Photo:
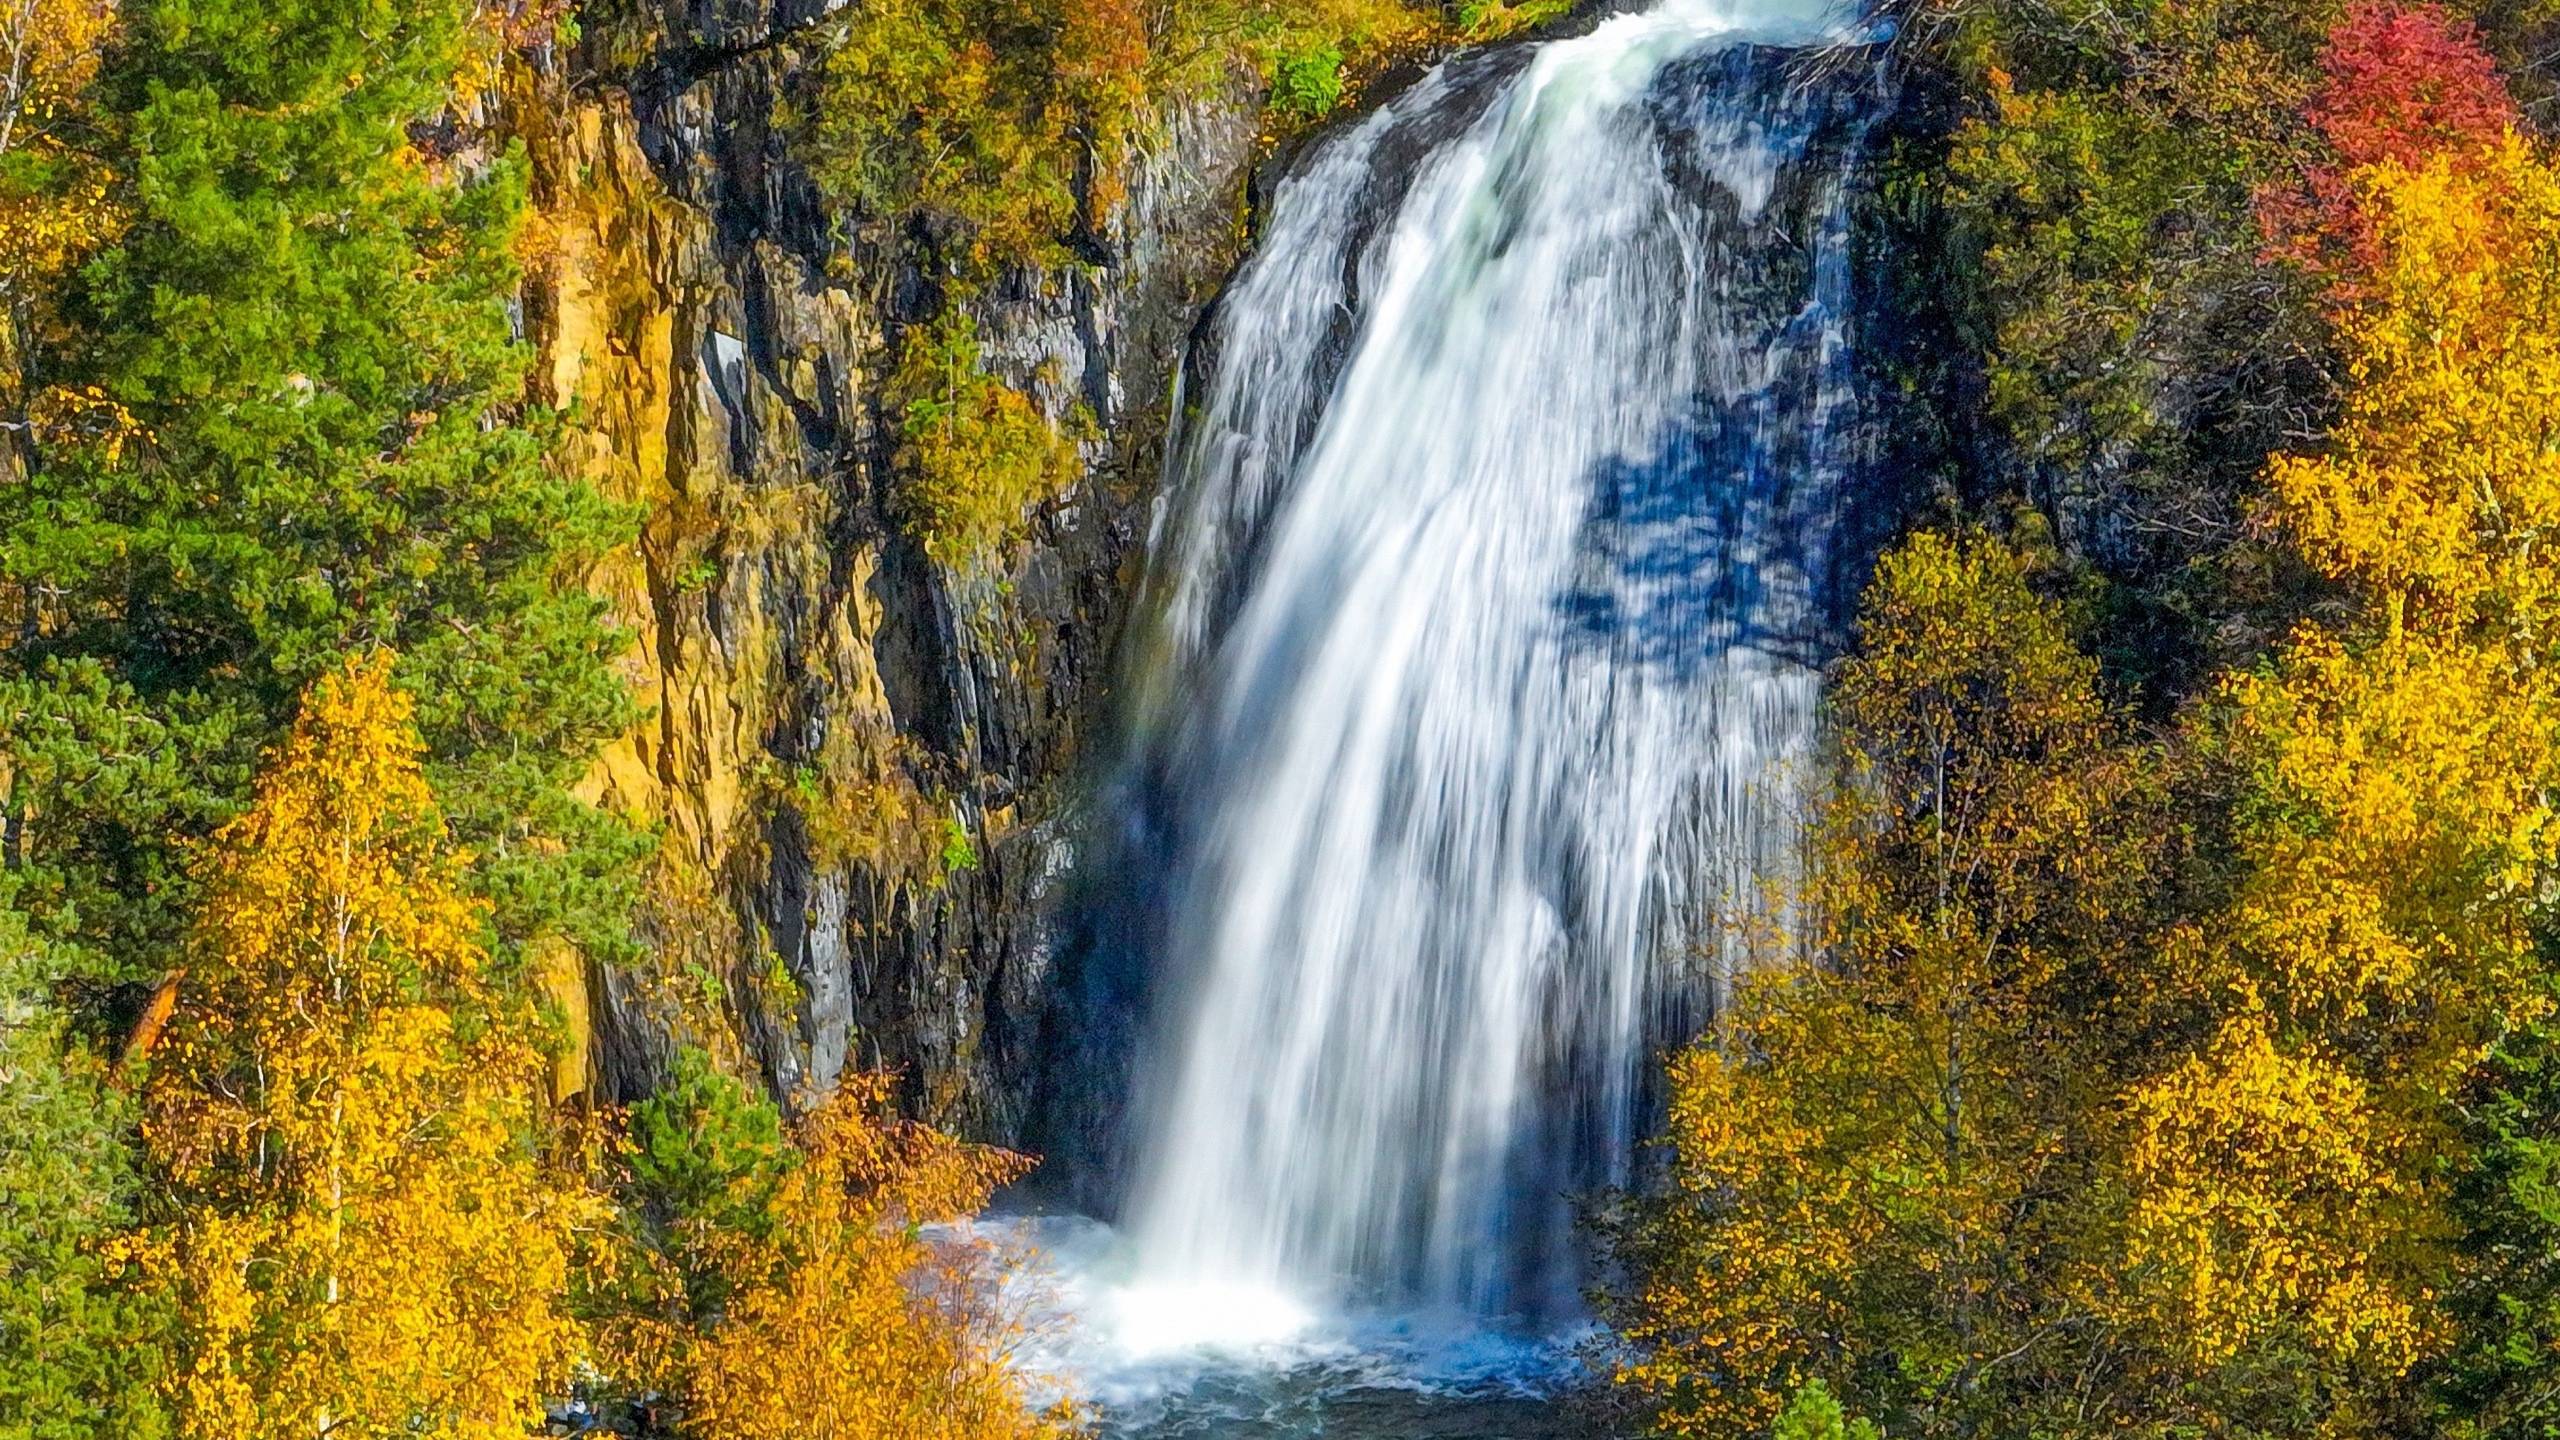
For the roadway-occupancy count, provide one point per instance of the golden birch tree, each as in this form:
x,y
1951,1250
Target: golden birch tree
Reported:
x,y
54,201
1878,1166
362,1244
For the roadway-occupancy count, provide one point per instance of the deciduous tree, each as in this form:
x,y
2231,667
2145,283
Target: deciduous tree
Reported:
x,y
54,192
779,1291
358,1234
2291,1230
1880,1166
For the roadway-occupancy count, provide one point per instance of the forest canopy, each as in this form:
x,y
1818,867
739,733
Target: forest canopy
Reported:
x,y
2173,1058
2172,1049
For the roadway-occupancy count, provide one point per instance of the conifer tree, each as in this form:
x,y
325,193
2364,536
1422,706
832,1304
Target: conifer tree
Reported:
x,y
322,447
79,1350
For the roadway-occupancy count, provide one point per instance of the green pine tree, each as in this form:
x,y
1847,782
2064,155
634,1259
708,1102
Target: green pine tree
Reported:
x,y
308,324
2502,1378
78,1350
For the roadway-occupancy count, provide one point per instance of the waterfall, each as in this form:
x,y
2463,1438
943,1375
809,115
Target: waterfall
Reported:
x,y
1493,577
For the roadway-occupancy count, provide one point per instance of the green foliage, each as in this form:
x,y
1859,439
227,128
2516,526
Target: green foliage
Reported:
x,y
307,318
697,574
2502,1381
2087,233
2060,200
81,1354
1815,1414
978,455
1308,82
957,108
705,1147
859,804
958,851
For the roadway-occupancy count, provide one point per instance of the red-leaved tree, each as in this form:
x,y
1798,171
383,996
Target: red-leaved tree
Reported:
x,y
2404,84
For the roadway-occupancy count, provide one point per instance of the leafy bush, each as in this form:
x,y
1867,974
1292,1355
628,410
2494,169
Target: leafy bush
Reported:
x,y
978,454
958,851
1014,119
958,108
1499,19
1815,1414
1308,82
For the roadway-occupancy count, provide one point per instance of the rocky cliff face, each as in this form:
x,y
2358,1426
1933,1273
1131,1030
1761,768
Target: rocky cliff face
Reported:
x,y
856,754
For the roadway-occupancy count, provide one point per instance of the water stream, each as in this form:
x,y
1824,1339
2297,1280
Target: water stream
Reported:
x,y
1503,538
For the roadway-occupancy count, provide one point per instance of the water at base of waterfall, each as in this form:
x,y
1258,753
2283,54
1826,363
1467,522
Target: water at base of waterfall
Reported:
x,y
1126,1352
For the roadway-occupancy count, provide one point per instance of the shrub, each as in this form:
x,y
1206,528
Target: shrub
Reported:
x,y
978,454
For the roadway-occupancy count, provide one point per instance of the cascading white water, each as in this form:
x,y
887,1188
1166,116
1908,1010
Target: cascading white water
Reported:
x,y
1501,536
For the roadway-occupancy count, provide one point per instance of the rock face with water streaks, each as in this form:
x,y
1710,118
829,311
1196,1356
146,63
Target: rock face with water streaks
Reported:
x,y
854,754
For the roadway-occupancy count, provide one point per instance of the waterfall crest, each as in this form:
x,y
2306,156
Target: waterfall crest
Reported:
x,y
1495,571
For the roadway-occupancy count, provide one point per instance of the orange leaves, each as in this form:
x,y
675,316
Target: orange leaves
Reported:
x,y
898,1172
2405,761
64,416
363,1242
842,1313
1102,45
2067,1108
49,52
1747,1271
1105,59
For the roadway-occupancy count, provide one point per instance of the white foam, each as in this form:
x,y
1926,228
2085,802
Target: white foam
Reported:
x,y
1510,465
1161,1319
1118,1346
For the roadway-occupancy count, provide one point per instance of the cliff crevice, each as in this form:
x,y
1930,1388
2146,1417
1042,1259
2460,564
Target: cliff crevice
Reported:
x,y
855,753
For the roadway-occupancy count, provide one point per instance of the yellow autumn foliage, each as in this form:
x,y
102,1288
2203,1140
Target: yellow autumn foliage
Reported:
x,y
839,1312
2441,488
362,1243
2402,828
1746,1273
2395,831
55,197
2276,1200
1877,1162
